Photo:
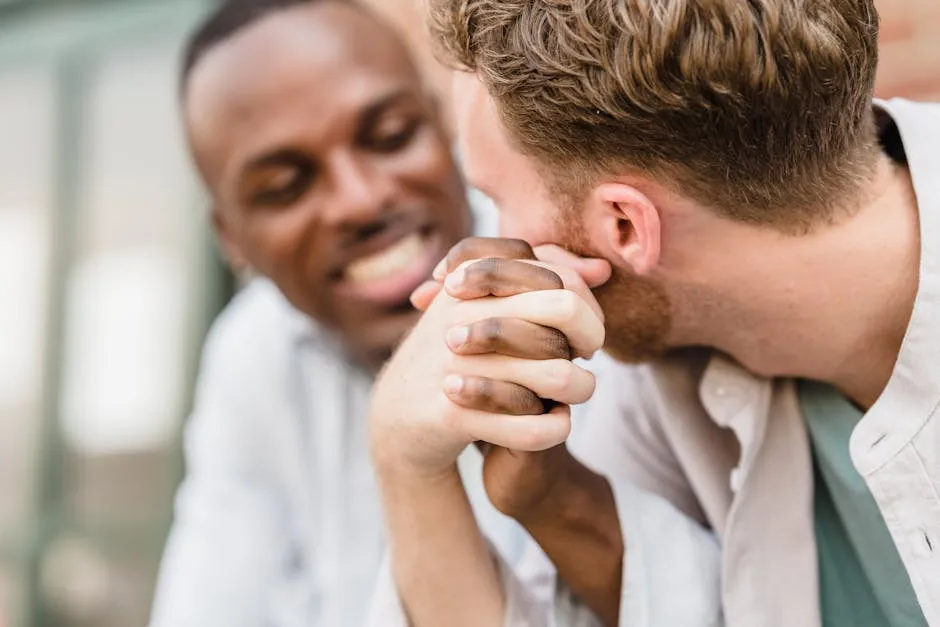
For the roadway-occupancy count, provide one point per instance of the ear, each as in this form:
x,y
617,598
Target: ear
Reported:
x,y
230,248
627,225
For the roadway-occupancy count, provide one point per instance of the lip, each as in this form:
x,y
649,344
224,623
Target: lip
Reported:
x,y
394,290
397,229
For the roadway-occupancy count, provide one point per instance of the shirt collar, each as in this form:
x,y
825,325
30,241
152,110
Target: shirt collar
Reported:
x,y
912,395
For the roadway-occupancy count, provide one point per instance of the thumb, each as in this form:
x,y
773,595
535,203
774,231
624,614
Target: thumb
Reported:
x,y
424,294
593,271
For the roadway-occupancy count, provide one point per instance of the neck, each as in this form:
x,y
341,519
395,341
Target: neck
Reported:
x,y
832,305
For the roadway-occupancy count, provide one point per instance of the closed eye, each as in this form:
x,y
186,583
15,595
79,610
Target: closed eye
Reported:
x,y
284,189
279,179
397,139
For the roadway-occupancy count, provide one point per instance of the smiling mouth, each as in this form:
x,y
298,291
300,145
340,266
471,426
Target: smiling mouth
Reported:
x,y
388,276
385,263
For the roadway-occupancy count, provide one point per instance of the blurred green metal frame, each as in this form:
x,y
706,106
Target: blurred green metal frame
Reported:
x,y
67,34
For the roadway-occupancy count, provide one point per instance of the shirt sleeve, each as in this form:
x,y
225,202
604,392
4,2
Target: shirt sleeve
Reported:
x,y
671,570
227,544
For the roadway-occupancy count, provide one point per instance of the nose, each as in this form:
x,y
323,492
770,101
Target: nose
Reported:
x,y
359,194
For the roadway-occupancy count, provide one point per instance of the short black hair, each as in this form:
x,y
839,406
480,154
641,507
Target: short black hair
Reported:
x,y
226,20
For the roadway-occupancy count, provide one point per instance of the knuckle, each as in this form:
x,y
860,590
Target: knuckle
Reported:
x,y
552,278
454,256
560,432
518,249
559,374
484,272
600,340
591,384
461,251
555,343
592,381
567,275
474,247
541,434
531,438
481,390
564,305
526,401
586,389
488,332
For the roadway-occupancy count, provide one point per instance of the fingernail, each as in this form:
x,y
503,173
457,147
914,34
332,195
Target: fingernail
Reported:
x,y
457,337
455,279
453,384
440,269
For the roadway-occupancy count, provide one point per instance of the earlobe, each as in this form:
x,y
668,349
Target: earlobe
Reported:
x,y
631,225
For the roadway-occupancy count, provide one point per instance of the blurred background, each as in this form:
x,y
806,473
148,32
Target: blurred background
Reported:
x,y
109,279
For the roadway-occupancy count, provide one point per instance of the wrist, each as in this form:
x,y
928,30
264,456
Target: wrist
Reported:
x,y
402,462
563,477
402,450
579,529
580,498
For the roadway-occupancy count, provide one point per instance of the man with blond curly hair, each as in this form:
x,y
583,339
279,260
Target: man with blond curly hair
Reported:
x,y
767,453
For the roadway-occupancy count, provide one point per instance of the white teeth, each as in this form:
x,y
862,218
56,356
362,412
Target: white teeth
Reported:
x,y
387,262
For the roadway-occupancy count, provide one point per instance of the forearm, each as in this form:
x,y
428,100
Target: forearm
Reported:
x,y
443,568
578,528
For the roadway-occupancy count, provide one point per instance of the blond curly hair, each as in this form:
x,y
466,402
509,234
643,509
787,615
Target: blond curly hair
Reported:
x,y
748,106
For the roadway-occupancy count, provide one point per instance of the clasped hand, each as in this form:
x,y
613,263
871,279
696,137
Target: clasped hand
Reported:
x,y
491,358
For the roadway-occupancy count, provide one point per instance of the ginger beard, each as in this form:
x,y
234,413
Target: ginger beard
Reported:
x,y
637,309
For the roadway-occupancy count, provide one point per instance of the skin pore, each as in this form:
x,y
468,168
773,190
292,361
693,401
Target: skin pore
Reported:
x,y
329,169
830,305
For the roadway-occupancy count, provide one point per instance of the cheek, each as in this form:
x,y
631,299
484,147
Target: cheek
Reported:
x,y
269,240
533,223
286,249
279,245
427,159
426,172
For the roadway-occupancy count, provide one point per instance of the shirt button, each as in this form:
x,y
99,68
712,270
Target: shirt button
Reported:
x,y
721,392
